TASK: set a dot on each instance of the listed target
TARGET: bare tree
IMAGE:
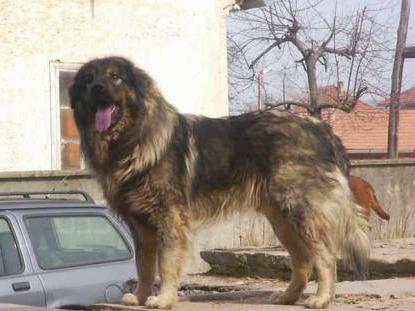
(343, 47)
(397, 80)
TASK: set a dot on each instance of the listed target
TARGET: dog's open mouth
(107, 117)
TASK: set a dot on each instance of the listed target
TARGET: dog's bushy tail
(352, 240)
(356, 247)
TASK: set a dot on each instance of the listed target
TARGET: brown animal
(365, 196)
(166, 173)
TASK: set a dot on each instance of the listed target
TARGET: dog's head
(109, 94)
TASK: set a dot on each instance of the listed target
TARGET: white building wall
(181, 43)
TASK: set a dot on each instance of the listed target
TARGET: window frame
(60, 215)
(19, 251)
(55, 67)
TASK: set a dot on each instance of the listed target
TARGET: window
(10, 259)
(67, 241)
(66, 151)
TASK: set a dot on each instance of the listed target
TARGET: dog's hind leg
(325, 266)
(314, 232)
(301, 264)
(173, 237)
(306, 252)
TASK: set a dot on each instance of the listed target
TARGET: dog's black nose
(97, 88)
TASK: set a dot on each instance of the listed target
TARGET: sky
(385, 12)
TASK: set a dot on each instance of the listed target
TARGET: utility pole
(260, 80)
(287, 107)
(261, 87)
(397, 80)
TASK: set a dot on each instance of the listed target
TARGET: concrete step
(393, 258)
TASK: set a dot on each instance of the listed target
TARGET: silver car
(60, 251)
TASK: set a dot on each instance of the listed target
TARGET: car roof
(39, 204)
(46, 199)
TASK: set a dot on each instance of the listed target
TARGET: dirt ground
(205, 292)
(253, 294)
(217, 293)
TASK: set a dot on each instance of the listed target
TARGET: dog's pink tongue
(103, 119)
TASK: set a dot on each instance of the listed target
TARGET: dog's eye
(116, 78)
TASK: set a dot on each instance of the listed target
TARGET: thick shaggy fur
(164, 172)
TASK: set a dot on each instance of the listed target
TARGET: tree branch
(289, 103)
(263, 53)
(323, 61)
(346, 51)
(345, 103)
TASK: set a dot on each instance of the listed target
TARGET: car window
(65, 241)
(10, 259)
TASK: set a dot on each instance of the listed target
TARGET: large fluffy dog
(164, 172)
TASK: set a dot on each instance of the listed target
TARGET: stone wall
(51, 181)
(394, 183)
(393, 180)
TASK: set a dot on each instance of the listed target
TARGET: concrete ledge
(52, 180)
(43, 174)
(383, 162)
(388, 259)
(89, 173)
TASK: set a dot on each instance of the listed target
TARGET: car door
(82, 258)
(18, 282)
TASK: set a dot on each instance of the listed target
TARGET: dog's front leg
(146, 262)
(145, 240)
(172, 250)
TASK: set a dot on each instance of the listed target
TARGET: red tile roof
(407, 129)
(366, 128)
(407, 98)
(328, 94)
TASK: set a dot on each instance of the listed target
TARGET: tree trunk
(397, 81)
(312, 87)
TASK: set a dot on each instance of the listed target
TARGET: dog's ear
(143, 86)
(72, 92)
(75, 102)
(141, 82)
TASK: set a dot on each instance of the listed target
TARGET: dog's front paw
(142, 296)
(317, 302)
(129, 300)
(160, 302)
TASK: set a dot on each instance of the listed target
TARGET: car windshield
(66, 241)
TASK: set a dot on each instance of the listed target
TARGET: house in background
(406, 99)
(181, 43)
(364, 130)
